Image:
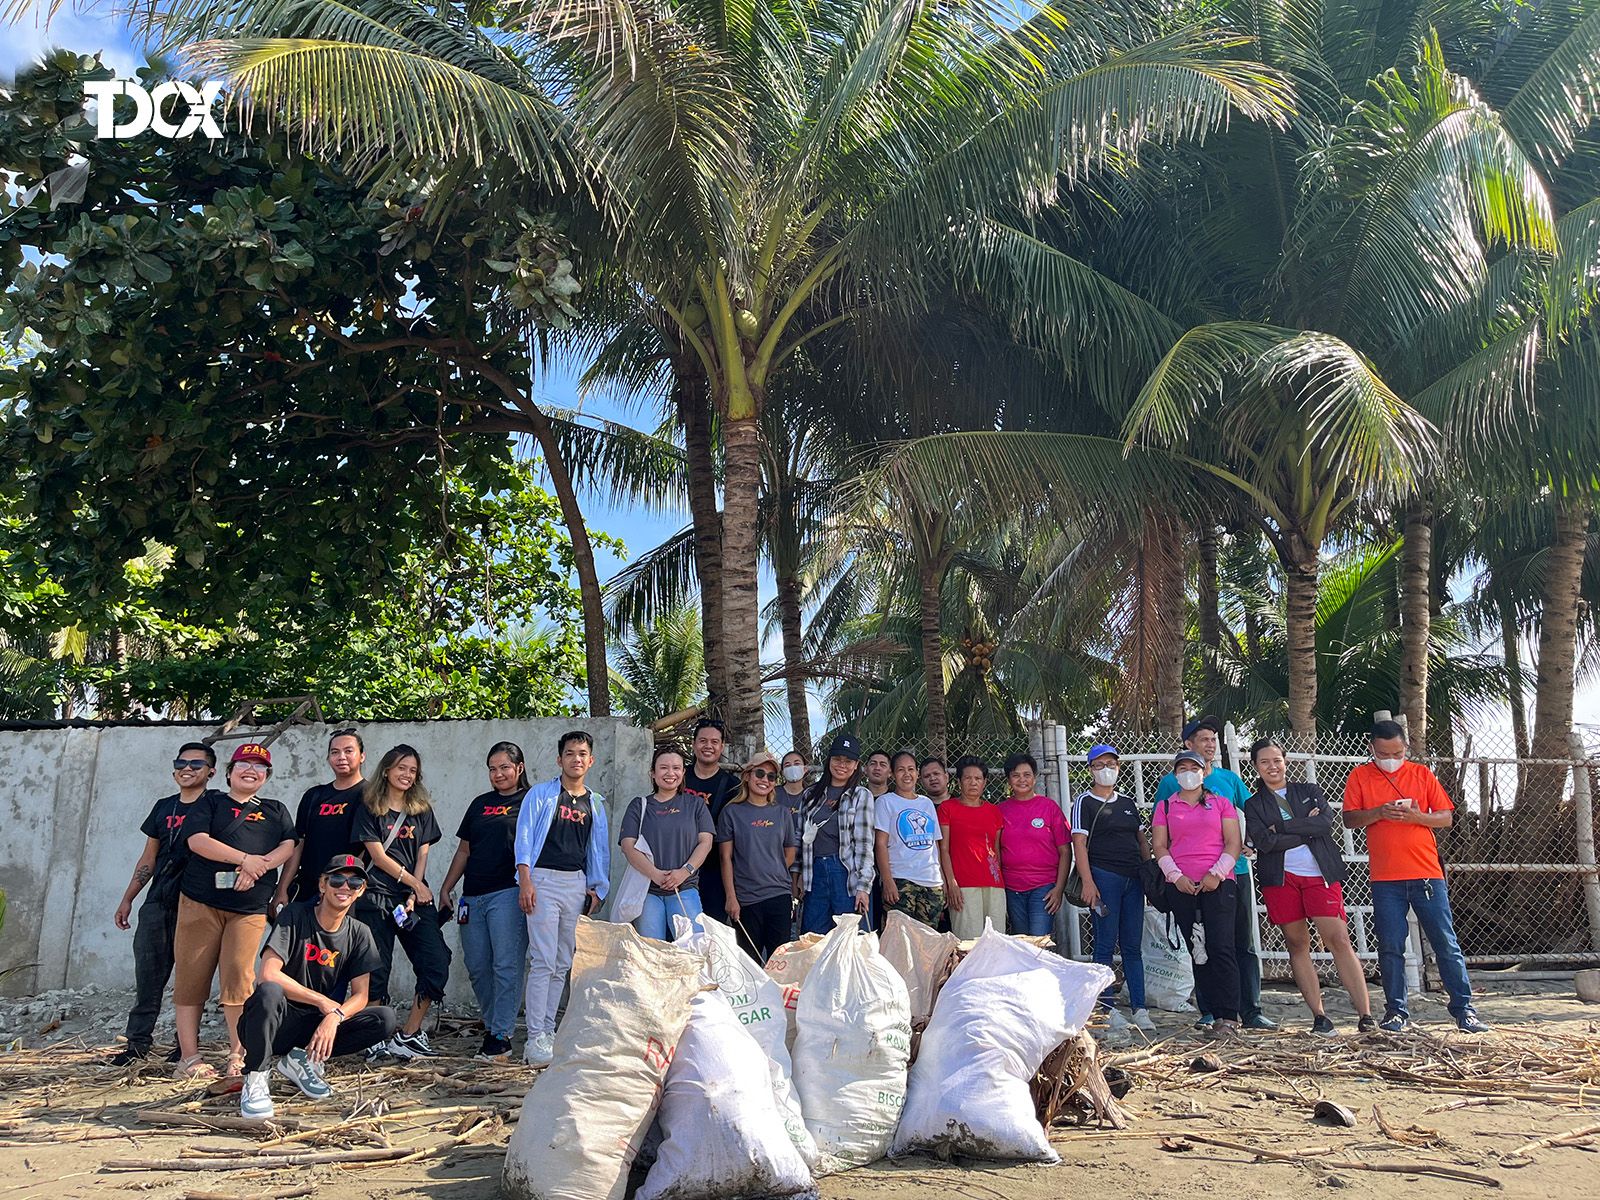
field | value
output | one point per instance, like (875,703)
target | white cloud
(31,37)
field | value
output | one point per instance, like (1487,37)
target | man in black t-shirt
(322,824)
(159,865)
(310,1002)
(707,779)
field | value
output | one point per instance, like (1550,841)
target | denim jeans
(828,898)
(1025,911)
(1430,900)
(655,920)
(152,966)
(494,941)
(1122,927)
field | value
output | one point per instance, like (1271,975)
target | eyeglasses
(760,773)
(346,881)
(189,764)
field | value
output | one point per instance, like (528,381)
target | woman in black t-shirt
(494,933)
(396,826)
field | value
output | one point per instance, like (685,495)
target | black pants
(766,926)
(152,966)
(423,943)
(713,899)
(1245,958)
(1216,979)
(272,1025)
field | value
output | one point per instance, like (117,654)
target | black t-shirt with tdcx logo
(416,831)
(566,846)
(323,823)
(255,826)
(322,961)
(489,827)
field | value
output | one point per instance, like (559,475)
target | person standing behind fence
(1400,803)
(933,778)
(237,841)
(1302,880)
(836,841)
(1203,736)
(494,935)
(969,854)
(1197,840)
(324,820)
(677,829)
(713,783)
(906,844)
(757,847)
(1108,845)
(1035,846)
(160,865)
(396,826)
(563,872)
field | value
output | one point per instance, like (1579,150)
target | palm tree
(747,165)
(660,671)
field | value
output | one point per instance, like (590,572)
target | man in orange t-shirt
(1400,804)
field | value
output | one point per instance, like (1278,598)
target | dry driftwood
(1411,1135)
(148,1116)
(288,1194)
(1350,1164)
(1556,1138)
(1071,1085)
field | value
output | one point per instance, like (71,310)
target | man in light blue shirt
(1203,735)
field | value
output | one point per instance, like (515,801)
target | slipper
(195,1069)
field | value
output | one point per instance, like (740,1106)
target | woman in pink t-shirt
(1197,843)
(1035,851)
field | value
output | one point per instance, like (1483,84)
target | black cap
(845,746)
(1207,722)
(345,862)
(1183,756)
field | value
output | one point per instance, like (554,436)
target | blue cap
(845,746)
(1102,748)
(1208,721)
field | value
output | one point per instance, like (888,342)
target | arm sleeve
(464,826)
(725,826)
(365,827)
(302,814)
(882,819)
(702,820)
(153,826)
(632,819)
(280,940)
(1438,799)
(1355,798)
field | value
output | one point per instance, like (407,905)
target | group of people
(296,917)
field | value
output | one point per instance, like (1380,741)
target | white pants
(976,904)
(552,937)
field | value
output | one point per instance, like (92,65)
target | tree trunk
(1166,556)
(1209,600)
(1558,642)
(1416,589)
(793,655)
(1300,571)
(930,577)
(741,628)
(1511,650)
(694,412)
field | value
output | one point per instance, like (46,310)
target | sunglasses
(189,764)
(763,773)
(346,881)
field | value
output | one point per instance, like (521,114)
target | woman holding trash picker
(757,844)
(679,835)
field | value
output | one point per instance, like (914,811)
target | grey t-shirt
(825,813)
(671,828)
(760,834)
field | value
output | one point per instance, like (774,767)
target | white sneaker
(255,1098)
(1141,1018)
(297,1067)
(1116,1022)
(541,1050)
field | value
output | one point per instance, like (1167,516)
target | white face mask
(1190,779)
(794,772)
(1106,776)
(1390,765)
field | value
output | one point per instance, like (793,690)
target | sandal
(195,1069)
(235,1068)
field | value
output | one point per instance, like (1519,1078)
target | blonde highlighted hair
(375,795)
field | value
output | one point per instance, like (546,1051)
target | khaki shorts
(207,938)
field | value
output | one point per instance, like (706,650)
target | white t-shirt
(1299,861)
(912,824)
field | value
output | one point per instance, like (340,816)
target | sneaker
(1395,1023)
(1141,1020)
(493,1049)
(1205,1022)
(129,1055)
(411,1045)
(1116,1022)
(1468,1022)
(1367,1024)
(1323,1027)
(541,1051)
(1259,1020)
(376,1054)
(255,1098)
(297,1067)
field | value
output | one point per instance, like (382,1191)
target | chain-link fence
(1520,855)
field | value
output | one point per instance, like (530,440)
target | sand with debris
(1467,1108)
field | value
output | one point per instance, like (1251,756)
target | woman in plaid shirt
(836,832)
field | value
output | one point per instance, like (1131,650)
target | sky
(638,529)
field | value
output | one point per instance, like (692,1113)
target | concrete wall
(71,801)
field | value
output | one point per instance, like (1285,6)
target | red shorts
(1299,898)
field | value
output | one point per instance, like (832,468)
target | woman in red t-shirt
(969,854)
